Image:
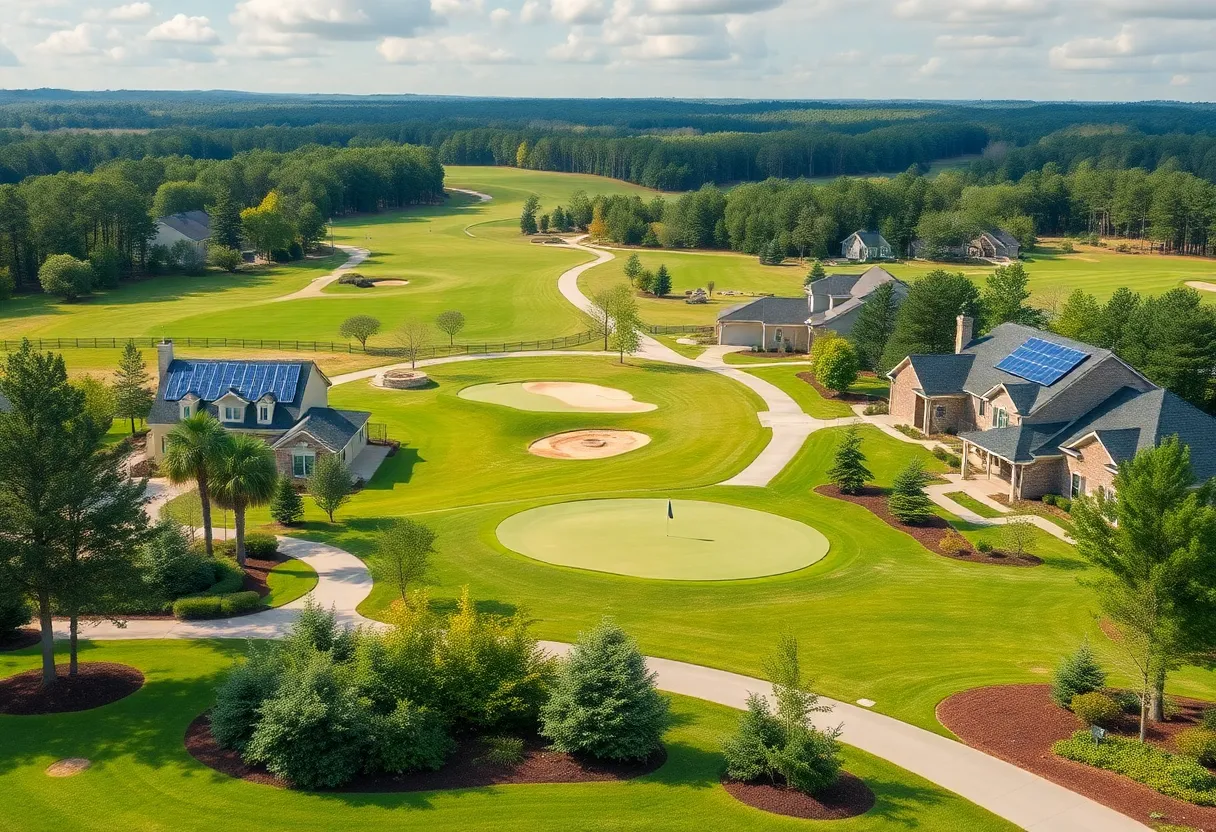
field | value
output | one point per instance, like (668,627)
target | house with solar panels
(1043,414)
(286,403)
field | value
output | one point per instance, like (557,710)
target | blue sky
(1025,49)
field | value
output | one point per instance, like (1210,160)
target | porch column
(1013,480)
(763,336)
(963,468)
(988,464)
(927,427)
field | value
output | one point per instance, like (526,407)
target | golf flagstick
(670,515)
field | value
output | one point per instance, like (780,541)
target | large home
(286,403)
(830,303)
(1042,413)
(997,245)
(861,246)
(192,226)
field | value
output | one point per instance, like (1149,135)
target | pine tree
(662,282)
(849,472)
(874,325)
(816,273)
(287,508)
(132,397)
(633,268)
(225,221)
(527,217)
(908,501)
(1075,674)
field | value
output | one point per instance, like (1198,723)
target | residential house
(861,246)
(286,403)
(192,226)
(832,302)
(1042,413)
(997,245)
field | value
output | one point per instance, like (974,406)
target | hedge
(216,606)
(229,578)
(1169,774)
(239,603)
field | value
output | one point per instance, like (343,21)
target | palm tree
(245,475)
(191,450)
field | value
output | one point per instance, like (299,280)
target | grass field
(968,502)
(288,581)
(142,777)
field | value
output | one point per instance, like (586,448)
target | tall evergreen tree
(816,273)
(662,281)
(527,217)
(1005,296)
(926,319)
(286,508)
(1171,338)
(132,394)
(849,472)
(874,325)
(908,501)
(225,217)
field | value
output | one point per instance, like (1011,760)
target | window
(1000,417)
(1078,486)
(302,463)
(939,411)
(777,337)
(232,414)
(185,411)
(263,413)
(983,407)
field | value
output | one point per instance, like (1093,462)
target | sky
(927,49)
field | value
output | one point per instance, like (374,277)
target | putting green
(556,397)
(703,542)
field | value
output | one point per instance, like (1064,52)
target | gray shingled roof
(331,427)
(942,375)
(871,239)
(862,286)
(771,311)
(1004,237)
(1018,443)
(835,284)
(195,225)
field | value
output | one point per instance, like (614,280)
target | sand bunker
(589,396)
(1202,285)
(392,283)
(588,444)
(68,767)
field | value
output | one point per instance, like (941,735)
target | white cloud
(465,49)
(1175,9)
(332,19)
(979,41)
(1135,47)
(130,13)
(678,48)
(500,17)
(930,67)
(578,11)
(711,6)
(975,11)
(75,41)
(1180,81)
(30,20)
(451,8)
(577,49)
(533,11)
(183,29)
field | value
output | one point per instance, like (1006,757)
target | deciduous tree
(403,554)
(450,323)
(330,484)
(359,327)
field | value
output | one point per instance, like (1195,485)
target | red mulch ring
(20,639)
(96,684)
(850,398)
(463,769)
(257,572)
(1020,723)
(929,534)
(848,797)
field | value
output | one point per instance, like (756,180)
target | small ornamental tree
(604,702)
(287,508)
(626,327)
(414,336)
(132,395)
(908,501)
(403,554)
(662,282)
(359,327)
(816,273)
(1017,535)
(709,287)
(330,484)
(1076,674)
(849,472)
(64,275)
(645,282)
(837,365)
(450,323)
(222,257)
(633,268)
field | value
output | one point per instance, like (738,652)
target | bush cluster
(1169,774)
(1209,719)
(983,547)
(329,703)
(877,409)
(953,543)
(1095,708)
(1199,743)
(1076,674)
(261,546)
(1060,502)
(356,279)
(15,610)
(951,459)
(200,607)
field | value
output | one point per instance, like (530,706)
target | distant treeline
(1173,209)
(113,207)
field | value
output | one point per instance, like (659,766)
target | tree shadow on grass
(394,470)
(902,803)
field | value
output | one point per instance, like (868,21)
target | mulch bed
(848,797)
(96,684)
(463,769)
(850,398)
(257,572)
(20,639)
(929,534)
(1019,724)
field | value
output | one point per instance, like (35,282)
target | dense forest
(1172,210)
(111,208)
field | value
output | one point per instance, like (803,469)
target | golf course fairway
(703,541)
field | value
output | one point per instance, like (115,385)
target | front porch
(992,466)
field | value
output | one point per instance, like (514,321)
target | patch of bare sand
(1202,285)
(592,396)
(67,768)
(588,444)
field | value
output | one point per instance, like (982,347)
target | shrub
(311,732)
(171,568)
(604,703)
(15,610)
(953,543)
(1175,776)
(261,546)
(287,507)
(1049,499)
(239,603)
(1095,708)
(242,693)
(836,365)
(229,578)
(984,546)
(1199,743)
(1209,719)
(503,751)
(222,257)
(1064,504)
(1077,673)
(849,472)
(409,738)
(877,409)
(908,501)
(951,459)
(747,750)
(192,609)
(64,275)
(809,760)
(1127,700)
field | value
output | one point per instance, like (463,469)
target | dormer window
(233,414)
(187,411)
(264,413)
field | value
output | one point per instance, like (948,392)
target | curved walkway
(314,288)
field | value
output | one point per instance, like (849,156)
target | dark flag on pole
(670,514)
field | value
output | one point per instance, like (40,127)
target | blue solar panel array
(1041,361)
(211,379)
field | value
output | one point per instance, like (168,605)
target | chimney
(964,329)
(164,357)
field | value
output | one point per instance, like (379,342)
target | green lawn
(142,777)
(808,397)
(288,581)
(743,358)
(967,501)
